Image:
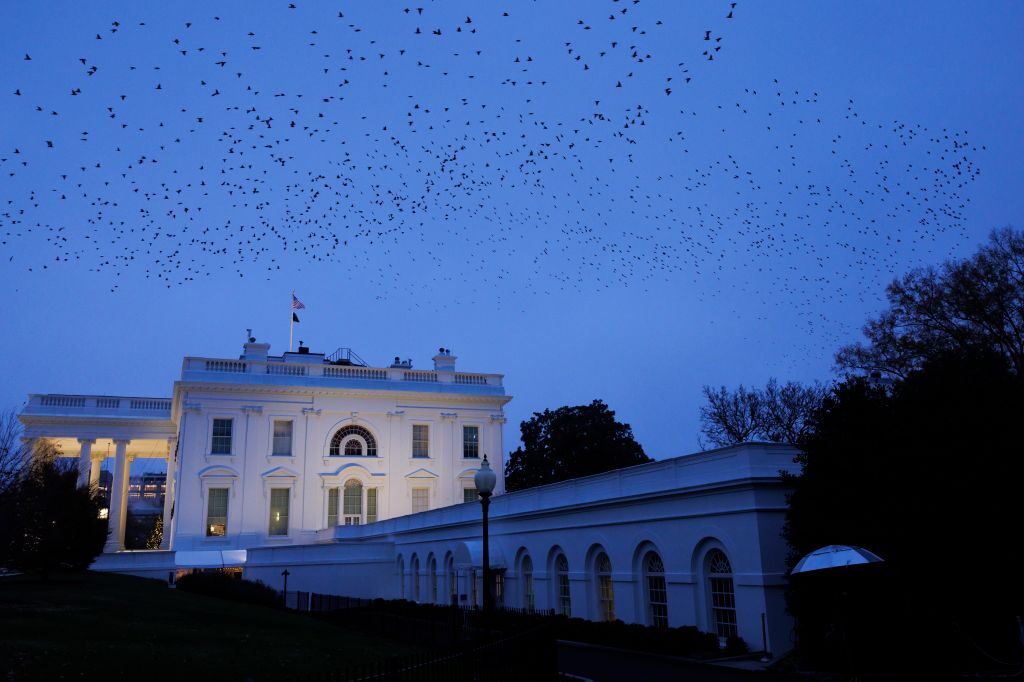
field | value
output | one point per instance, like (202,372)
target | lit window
(220,443)
(420,440)
(564,596)
(470,495)
(279,511)
(353,503)
(471,441)
(657,594)
(371,505)
(605,590)
(526,571)
(420,500)
(343,433)
(721,593)
(216,512)
(332,507)
(282,437)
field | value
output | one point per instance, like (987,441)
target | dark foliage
(46,521)
(926,473)
(571,442)
(974,303)
(224,586)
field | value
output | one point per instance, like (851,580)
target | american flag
(297,304)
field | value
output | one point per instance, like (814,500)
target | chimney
(444,361)
(255,351)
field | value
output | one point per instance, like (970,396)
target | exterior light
(485,478)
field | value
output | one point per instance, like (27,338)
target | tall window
(472,588)
(526,573)
(420,499)
(216,512)
(371,505)
(332,507)
(282,437)
(353,446)
(352,504)
(562,585)
(279,511)
(453,580)
(414,570)
(420,440)
(657,594)
(470,495)
(432,570)
(470,441)
(401,578)
(220,442)
(605,591)
(722,596)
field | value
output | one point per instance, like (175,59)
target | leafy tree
(571,442)
(48,521)
(777,413)
(926,473)
(974,303)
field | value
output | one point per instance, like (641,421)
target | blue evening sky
(564,221)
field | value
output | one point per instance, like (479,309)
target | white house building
(359,481)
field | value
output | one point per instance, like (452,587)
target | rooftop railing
(107,405)
(198,367)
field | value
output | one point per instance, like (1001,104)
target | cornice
(344,392)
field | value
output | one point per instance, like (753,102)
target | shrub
(223,586)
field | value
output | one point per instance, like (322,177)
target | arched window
(414,571)
(721,595)
(605,591)
(432,564)
(655,589)
(401,578)
(526,575)
(349,435)
(563,598)
(453,580)
(352,502)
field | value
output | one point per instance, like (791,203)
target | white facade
(356,478)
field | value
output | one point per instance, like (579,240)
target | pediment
(218,471)
(280,472)
(421,473)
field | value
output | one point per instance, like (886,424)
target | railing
(146,404)
(288,370)
(425,377)
(106,405)
(355,372)
(225,366)
(62,401)
(317,370)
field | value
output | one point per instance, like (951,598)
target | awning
(210,558)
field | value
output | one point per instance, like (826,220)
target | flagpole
(291,321)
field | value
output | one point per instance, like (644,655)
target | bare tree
(777,413)
(730,417)
(12,455)
(974,303)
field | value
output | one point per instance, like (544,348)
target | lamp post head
(485,478)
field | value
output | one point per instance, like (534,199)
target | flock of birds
(496,154)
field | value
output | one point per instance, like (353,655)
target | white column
(172,467)
(94,472)
(84,460)
(118,498)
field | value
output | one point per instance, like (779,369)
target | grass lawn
(97,626)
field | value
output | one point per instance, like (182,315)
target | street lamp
(484,479)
